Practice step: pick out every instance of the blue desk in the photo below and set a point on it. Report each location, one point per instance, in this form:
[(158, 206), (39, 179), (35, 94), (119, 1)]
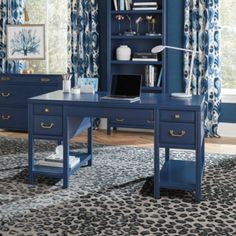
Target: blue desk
[(177, 123)]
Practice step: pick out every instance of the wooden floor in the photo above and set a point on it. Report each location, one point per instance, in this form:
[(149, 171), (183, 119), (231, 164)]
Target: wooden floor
[(144, 139)]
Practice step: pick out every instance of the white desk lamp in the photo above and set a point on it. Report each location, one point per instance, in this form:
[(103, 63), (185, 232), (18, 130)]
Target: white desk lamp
[(160, 48)]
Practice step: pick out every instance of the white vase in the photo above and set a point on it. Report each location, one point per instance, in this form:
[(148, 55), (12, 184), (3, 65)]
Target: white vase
[(123, 53)]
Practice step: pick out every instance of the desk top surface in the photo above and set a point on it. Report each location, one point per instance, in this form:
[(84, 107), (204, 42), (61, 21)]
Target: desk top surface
[(148, 100)]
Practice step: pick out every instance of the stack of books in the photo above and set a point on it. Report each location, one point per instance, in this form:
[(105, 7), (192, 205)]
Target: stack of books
[(144, 56), (57, 161), (145, 6)]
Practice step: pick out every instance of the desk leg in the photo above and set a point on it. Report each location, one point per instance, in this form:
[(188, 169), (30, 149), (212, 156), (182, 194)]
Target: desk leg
[(65, 152), (167, 154), (31, 159), (156, 159), (90, 144)]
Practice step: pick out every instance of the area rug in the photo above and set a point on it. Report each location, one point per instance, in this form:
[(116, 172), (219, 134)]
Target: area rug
[(114, 196)]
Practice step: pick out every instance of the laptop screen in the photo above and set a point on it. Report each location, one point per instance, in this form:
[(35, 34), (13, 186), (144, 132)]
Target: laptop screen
[(126, 85)]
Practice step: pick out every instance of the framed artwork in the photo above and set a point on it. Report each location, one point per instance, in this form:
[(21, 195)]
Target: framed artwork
[(25, 42), (93, 82)]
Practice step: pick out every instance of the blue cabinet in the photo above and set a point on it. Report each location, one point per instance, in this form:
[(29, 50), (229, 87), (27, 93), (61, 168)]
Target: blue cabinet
[(140, 38), (15, 89)]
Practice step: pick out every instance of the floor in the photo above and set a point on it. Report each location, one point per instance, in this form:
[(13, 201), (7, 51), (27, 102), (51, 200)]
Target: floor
[(222, 145)]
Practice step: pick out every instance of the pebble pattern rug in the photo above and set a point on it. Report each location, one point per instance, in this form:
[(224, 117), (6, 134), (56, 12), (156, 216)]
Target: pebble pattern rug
[(113, 197)]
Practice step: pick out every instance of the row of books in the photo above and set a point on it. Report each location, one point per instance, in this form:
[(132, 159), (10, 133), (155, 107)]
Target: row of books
[(153, 76), (121, 5)]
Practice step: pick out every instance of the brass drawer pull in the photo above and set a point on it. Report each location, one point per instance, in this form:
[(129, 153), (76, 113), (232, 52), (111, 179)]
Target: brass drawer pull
[(5, 94), (150, 121), (45, 80), (5, 78), (120, 119), (177, 116), (8, 117), (46, 109), (181, 134), (47, 126)]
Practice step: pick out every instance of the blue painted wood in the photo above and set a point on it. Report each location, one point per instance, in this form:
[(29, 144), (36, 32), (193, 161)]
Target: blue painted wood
[(151, 104), (137, 43), (178, 174), (177, 116), (15, 89)]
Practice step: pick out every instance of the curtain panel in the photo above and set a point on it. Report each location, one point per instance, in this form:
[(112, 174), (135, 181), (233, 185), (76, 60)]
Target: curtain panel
[(83, 45), (202, 32), (11, 13)]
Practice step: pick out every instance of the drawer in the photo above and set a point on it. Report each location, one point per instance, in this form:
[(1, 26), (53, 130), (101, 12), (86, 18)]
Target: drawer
[(47, 125), (47, 110), (13, 118), (172, 133), (177, 116), (31, 79), (18, 95), (145, 119)]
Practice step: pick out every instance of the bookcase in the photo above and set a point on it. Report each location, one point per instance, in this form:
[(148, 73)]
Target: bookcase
[(140, 25)]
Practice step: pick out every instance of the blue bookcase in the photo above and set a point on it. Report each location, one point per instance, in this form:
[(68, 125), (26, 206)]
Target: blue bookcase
[(140, 38)]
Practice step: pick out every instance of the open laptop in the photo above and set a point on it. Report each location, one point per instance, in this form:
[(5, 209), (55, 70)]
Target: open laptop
[(125, 87)]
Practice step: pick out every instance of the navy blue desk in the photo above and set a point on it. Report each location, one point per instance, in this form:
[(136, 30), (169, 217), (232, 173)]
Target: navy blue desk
[(177, 123)]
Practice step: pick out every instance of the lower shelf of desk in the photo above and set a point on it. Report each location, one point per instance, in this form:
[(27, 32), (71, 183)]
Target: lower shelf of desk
[(57, 172), (178, 174)]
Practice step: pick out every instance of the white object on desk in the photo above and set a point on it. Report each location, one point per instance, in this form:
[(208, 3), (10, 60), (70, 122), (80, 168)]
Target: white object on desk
[(160, 48), (87, 88), (66, 86), (75, 90), (181, 95)]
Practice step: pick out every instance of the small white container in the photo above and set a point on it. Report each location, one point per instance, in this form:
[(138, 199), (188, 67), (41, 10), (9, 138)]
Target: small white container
[(66, 86), (123, 53)]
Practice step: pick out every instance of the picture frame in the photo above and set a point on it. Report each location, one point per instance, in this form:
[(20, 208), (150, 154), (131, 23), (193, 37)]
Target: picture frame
[(89, 83), (26, 42)]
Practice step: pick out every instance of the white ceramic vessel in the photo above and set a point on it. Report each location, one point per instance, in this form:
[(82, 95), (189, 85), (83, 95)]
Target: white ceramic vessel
[(123, 53)]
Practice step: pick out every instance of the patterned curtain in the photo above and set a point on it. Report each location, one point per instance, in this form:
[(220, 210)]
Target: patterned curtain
[(83, 47), (202, 32), (11, 13)]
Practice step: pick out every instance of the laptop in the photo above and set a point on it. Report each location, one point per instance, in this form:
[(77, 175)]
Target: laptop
[(125, 87)]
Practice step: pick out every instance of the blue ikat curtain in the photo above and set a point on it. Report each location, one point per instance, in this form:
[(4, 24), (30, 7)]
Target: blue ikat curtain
[(11, 12), (83, 47), (202, 32)]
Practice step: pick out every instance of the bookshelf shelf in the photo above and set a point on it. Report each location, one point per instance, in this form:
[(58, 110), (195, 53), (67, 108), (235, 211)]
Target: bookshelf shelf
[(133, 12), (137, 62), (144, 36), (136, 37)]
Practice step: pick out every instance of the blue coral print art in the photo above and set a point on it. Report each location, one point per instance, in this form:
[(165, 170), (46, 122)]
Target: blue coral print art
[(25, 42)]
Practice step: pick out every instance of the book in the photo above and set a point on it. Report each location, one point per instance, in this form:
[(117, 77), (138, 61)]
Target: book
[(143, 8), (145, 4), (127, 5), (144, 56), (115, 5), (144, 59), (159, 78), (53, 161)]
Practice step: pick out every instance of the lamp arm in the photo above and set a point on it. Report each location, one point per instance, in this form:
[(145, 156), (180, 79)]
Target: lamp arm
[(181, 49)]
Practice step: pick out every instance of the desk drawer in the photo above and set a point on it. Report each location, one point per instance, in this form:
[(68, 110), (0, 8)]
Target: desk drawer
[(48, 125), (181, 133), (135, 118), (13, 118), (177, 116), (47, 110)]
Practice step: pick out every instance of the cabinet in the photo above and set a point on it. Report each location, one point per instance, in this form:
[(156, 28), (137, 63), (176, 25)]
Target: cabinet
[(124, 29), (15, 89)]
